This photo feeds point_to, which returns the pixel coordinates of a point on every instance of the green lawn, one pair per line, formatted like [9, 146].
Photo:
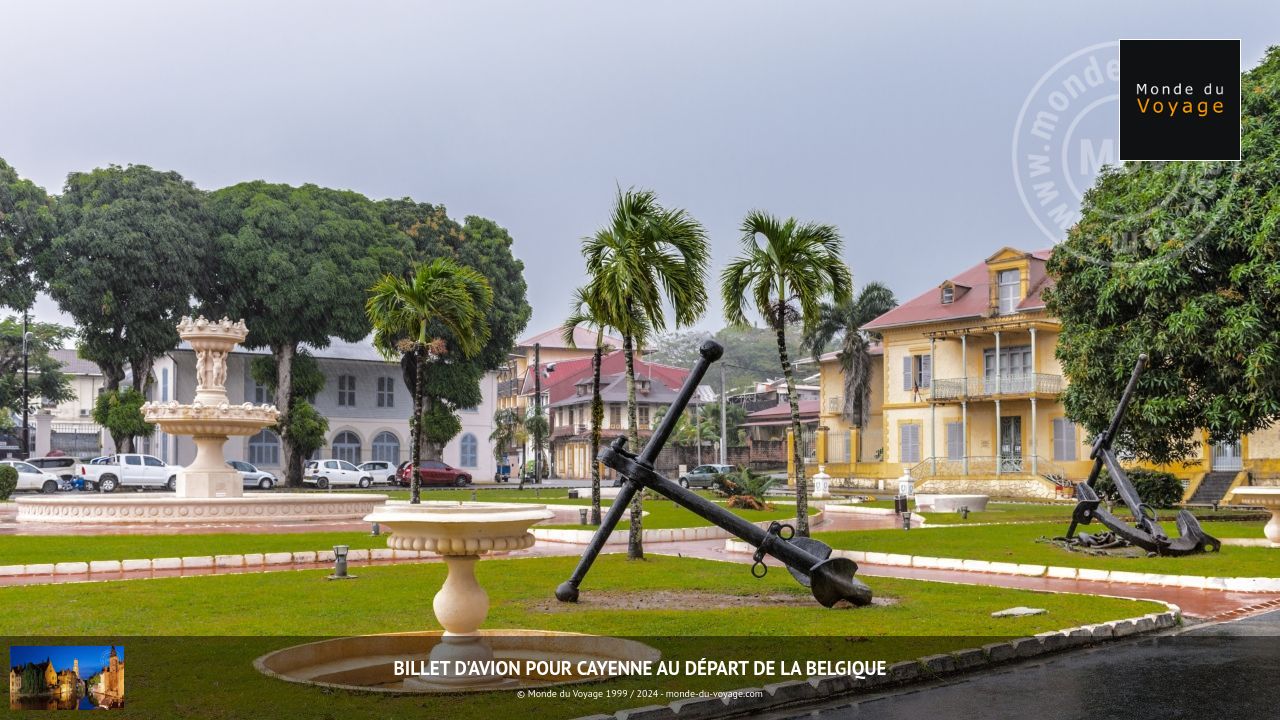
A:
[1009, 512]
[663, 514]
[1018, 543]
[212, 677]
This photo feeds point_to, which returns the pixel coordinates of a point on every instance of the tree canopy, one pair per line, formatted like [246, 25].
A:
[131, 245]
[44, 373]
[1180, 261]
[26, 224]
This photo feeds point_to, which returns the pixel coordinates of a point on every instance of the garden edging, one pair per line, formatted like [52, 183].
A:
[775, 696]
[194, 562]
[1233, 584]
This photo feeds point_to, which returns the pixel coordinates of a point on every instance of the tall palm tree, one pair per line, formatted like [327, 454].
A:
[406, 313]
[647, 257]
[786, 269]
[586, 311]
[845, 320]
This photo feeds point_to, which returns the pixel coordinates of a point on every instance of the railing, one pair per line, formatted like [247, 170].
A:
[1021, 384]
[835, 403]
[986, 466]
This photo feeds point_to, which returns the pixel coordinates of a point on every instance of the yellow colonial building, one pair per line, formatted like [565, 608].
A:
[965, 398]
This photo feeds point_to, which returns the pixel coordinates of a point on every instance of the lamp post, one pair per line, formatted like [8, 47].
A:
[26, 389]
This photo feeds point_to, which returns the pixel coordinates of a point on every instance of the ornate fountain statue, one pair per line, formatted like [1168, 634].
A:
[210, 418]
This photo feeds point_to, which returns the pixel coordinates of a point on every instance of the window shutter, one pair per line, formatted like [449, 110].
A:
[906, 372]
[926, 371]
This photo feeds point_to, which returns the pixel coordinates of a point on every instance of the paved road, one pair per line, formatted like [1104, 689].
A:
[1223, 671]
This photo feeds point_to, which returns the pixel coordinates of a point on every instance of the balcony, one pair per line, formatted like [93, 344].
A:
[989, 388]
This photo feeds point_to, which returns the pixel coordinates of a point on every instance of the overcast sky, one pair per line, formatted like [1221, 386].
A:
[892, 120]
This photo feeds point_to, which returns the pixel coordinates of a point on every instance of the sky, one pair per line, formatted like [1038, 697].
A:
[92, 657]
[893, 121]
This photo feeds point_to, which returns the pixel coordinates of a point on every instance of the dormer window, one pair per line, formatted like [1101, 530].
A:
[1009, 290]
[948, 294]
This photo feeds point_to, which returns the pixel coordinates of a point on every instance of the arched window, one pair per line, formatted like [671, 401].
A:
[346, 446]
[264, 448]
[386, 446]
[468, 451]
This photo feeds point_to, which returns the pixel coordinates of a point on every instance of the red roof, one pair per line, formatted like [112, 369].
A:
[559, 383]
[972, 297]
[583, 338]
[781, 413]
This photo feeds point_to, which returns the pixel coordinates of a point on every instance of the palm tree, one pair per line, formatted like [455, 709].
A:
[844, 320]
[408, 312]
[786, 277]
[586, 311]
[645, 258]
[504, 433]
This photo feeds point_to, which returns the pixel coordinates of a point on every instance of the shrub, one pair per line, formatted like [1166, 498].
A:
[1156, 488]
[8, 481]
[744, 490]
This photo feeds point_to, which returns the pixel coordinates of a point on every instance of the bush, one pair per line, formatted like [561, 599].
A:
[745, 490]
[1156, 488]
[8, 481]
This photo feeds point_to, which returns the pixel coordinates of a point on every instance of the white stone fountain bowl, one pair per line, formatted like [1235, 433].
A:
[198, 419]
[459, 528]
[1267, 497]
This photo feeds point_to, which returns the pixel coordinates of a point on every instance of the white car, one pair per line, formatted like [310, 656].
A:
[324, 473]
[381, 470]
[31, 477]
[131, 470]
[252, 476]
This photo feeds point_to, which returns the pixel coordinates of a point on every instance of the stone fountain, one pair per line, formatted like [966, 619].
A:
[461, 533]
[1265, 497]
[208, 491]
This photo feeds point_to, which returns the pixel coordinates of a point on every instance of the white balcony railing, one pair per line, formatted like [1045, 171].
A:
[1020, 384]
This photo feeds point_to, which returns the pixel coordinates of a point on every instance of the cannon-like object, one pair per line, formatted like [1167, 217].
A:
[809, 561]
[1145, 532]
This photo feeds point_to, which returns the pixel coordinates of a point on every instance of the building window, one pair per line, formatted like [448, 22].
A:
[948, 295]
[955, 441]
[386, 392]
[468, 447]
[1009, 287]
[164, 385]
[917, 372]
[909, 443]
[264, 448]
[615, 416]
[642, 416]
[346, 390]
[260, 396]
[386, 447]
[1064, 439]
[346, 446]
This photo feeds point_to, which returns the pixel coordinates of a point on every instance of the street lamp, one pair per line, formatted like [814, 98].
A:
[27, 337]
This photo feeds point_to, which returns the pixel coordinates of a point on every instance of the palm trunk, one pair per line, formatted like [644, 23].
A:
[597, 417]
[802, 491]
[284, 402]
[635, 544]
[415, 426]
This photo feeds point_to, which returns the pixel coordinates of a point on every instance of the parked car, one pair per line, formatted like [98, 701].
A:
[381, 470]
[31, 477]
[324, 473]
[435, 472]
[131, 470]
[703, 476]
[63, 466]
[252, 476]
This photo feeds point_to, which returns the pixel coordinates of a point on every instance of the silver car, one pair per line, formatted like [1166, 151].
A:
[704, 475]
[381, 470]
[252, 476]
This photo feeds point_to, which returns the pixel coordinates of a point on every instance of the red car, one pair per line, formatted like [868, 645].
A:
[434, 472]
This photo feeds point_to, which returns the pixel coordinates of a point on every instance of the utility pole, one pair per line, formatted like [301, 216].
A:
[724, 433]
[537, 409]
[26, 391]
[697, 428]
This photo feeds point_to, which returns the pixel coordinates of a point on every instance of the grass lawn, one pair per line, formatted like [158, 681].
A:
[212, 677]
[663, 514]
[1018, 543]
[1009, 512]
[31, 549]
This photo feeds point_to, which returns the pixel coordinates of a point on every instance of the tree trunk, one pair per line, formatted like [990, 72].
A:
[142, 373]
[597, 417]
[415, 427]
[284, 403]
[635, 538]
[797, 432]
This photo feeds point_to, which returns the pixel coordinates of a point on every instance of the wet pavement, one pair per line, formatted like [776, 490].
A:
[1213, 671]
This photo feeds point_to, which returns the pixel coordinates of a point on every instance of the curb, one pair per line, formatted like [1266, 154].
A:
[619, 537]
[108, 568]
[1232, 584]
[752, 701]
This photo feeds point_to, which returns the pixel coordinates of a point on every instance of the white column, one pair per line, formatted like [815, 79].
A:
[1034, 446]
[998, 432]
[964, 433]
[933, 406]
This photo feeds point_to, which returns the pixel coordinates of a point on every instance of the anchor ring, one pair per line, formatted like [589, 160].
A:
[764, 570]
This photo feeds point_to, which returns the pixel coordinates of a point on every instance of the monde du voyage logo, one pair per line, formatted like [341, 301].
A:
[1179, 100]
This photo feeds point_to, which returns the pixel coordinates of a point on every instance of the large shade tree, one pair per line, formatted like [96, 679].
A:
[646, 258]
[786, 270]
[26, 224]
[842, 322]
[295, 264]
[1180, 261]
[403, 312]
[44, 379]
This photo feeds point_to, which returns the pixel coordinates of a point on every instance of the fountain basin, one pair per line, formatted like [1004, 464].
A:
[1266, 497]
[459, 528]
[367, 663]
[168, 508]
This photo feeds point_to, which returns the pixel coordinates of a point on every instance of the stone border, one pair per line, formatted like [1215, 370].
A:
[169, 509]
[1233, 584]
[780, 695]
[690, 534]
[205, 562]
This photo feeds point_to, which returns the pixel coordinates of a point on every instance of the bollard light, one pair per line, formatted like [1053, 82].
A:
[582, 513]
[377, 530]
[473, 494]
[340, 563]
[906, 520]
[964, 512]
